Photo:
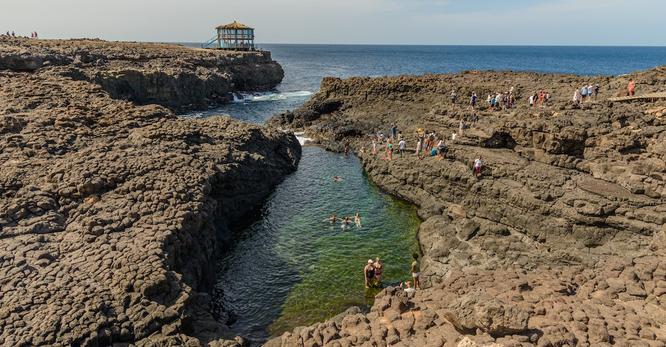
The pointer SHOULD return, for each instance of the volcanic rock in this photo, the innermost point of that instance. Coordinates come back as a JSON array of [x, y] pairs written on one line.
[[112, 213], [560, 242]]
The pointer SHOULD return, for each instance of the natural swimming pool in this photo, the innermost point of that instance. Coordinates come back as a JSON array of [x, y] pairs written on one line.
[[291, 268]]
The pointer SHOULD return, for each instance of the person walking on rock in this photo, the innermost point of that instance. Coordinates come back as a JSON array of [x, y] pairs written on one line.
[[631, 88], [402, 146], [416, 271], [389, 150], [478, 165]]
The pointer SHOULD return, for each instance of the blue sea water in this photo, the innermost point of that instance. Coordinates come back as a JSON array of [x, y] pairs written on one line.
[[306, 65]]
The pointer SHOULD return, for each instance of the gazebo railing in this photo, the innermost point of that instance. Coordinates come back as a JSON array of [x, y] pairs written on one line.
[[210, 43]]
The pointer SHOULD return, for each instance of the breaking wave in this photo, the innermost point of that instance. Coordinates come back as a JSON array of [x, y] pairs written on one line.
[[269, 96]]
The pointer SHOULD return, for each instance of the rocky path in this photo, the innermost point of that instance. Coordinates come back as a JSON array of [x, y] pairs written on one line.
[[562, 242], [111, 214]]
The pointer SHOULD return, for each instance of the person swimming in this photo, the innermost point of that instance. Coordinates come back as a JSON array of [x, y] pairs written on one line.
[[357, 219], [333, 218], [337, 178], [345, 222]]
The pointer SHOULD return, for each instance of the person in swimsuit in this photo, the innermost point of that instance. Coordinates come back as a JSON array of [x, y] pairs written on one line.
[[337, 178], [357, 219], [369, 273], [374, 147], [416, 271], [379, 269]]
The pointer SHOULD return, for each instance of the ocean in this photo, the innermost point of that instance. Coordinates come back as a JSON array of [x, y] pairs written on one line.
[[306, 65]]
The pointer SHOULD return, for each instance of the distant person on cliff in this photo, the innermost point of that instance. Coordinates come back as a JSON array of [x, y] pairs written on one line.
[[346, 149], [416, 271], [402, 146], [374, 147], [419, 145], [389, 150], [379, 269], [369, 273], [478, 166], [577, 98], [631, 88], [596, 90], [472, 101], [442, 149], [454, 96], [542, 98], [394, 131], [532, 100]]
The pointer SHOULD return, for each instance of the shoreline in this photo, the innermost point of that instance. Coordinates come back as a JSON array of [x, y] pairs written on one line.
[[549, 230]]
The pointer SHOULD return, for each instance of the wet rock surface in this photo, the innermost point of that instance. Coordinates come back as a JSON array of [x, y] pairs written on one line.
[[111, 213], [561, 242]]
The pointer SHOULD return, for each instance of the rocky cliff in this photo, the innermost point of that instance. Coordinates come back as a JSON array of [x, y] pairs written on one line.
[[111, 213], [173, 76], [561, 242]]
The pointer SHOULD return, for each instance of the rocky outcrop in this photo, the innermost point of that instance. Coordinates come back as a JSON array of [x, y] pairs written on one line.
[[169, 75], [561, 242], [111, 213]]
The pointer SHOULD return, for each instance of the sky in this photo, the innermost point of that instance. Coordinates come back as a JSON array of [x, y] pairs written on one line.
[[433, 22]]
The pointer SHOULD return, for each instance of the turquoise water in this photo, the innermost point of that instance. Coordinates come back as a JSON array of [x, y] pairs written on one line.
[[292, 268]]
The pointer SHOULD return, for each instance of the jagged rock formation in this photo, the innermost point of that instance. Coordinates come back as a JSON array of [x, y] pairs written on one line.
[[111, 213], [562, 242], [173, 76]]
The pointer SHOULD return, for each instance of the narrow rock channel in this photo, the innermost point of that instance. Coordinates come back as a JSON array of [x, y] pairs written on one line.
[[292, 268]]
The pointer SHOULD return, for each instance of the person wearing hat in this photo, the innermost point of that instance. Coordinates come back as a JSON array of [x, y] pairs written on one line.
[[369, 273]]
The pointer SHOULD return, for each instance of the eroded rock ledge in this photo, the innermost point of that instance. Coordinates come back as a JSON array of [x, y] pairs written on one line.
[[562, 242], [173, 76], [111, 213]]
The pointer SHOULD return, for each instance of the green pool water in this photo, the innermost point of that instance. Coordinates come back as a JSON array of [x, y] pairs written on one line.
[[291, 268]]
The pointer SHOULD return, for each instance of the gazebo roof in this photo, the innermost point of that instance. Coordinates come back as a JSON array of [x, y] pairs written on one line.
[[234, 25]]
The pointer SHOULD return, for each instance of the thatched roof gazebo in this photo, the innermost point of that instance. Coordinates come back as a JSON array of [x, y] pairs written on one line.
[[235, 36]]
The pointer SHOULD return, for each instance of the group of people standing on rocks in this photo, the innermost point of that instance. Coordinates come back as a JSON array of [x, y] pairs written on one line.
[[586, 93], [33, 34], [539, 99], [374, 270], [427, 143]]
